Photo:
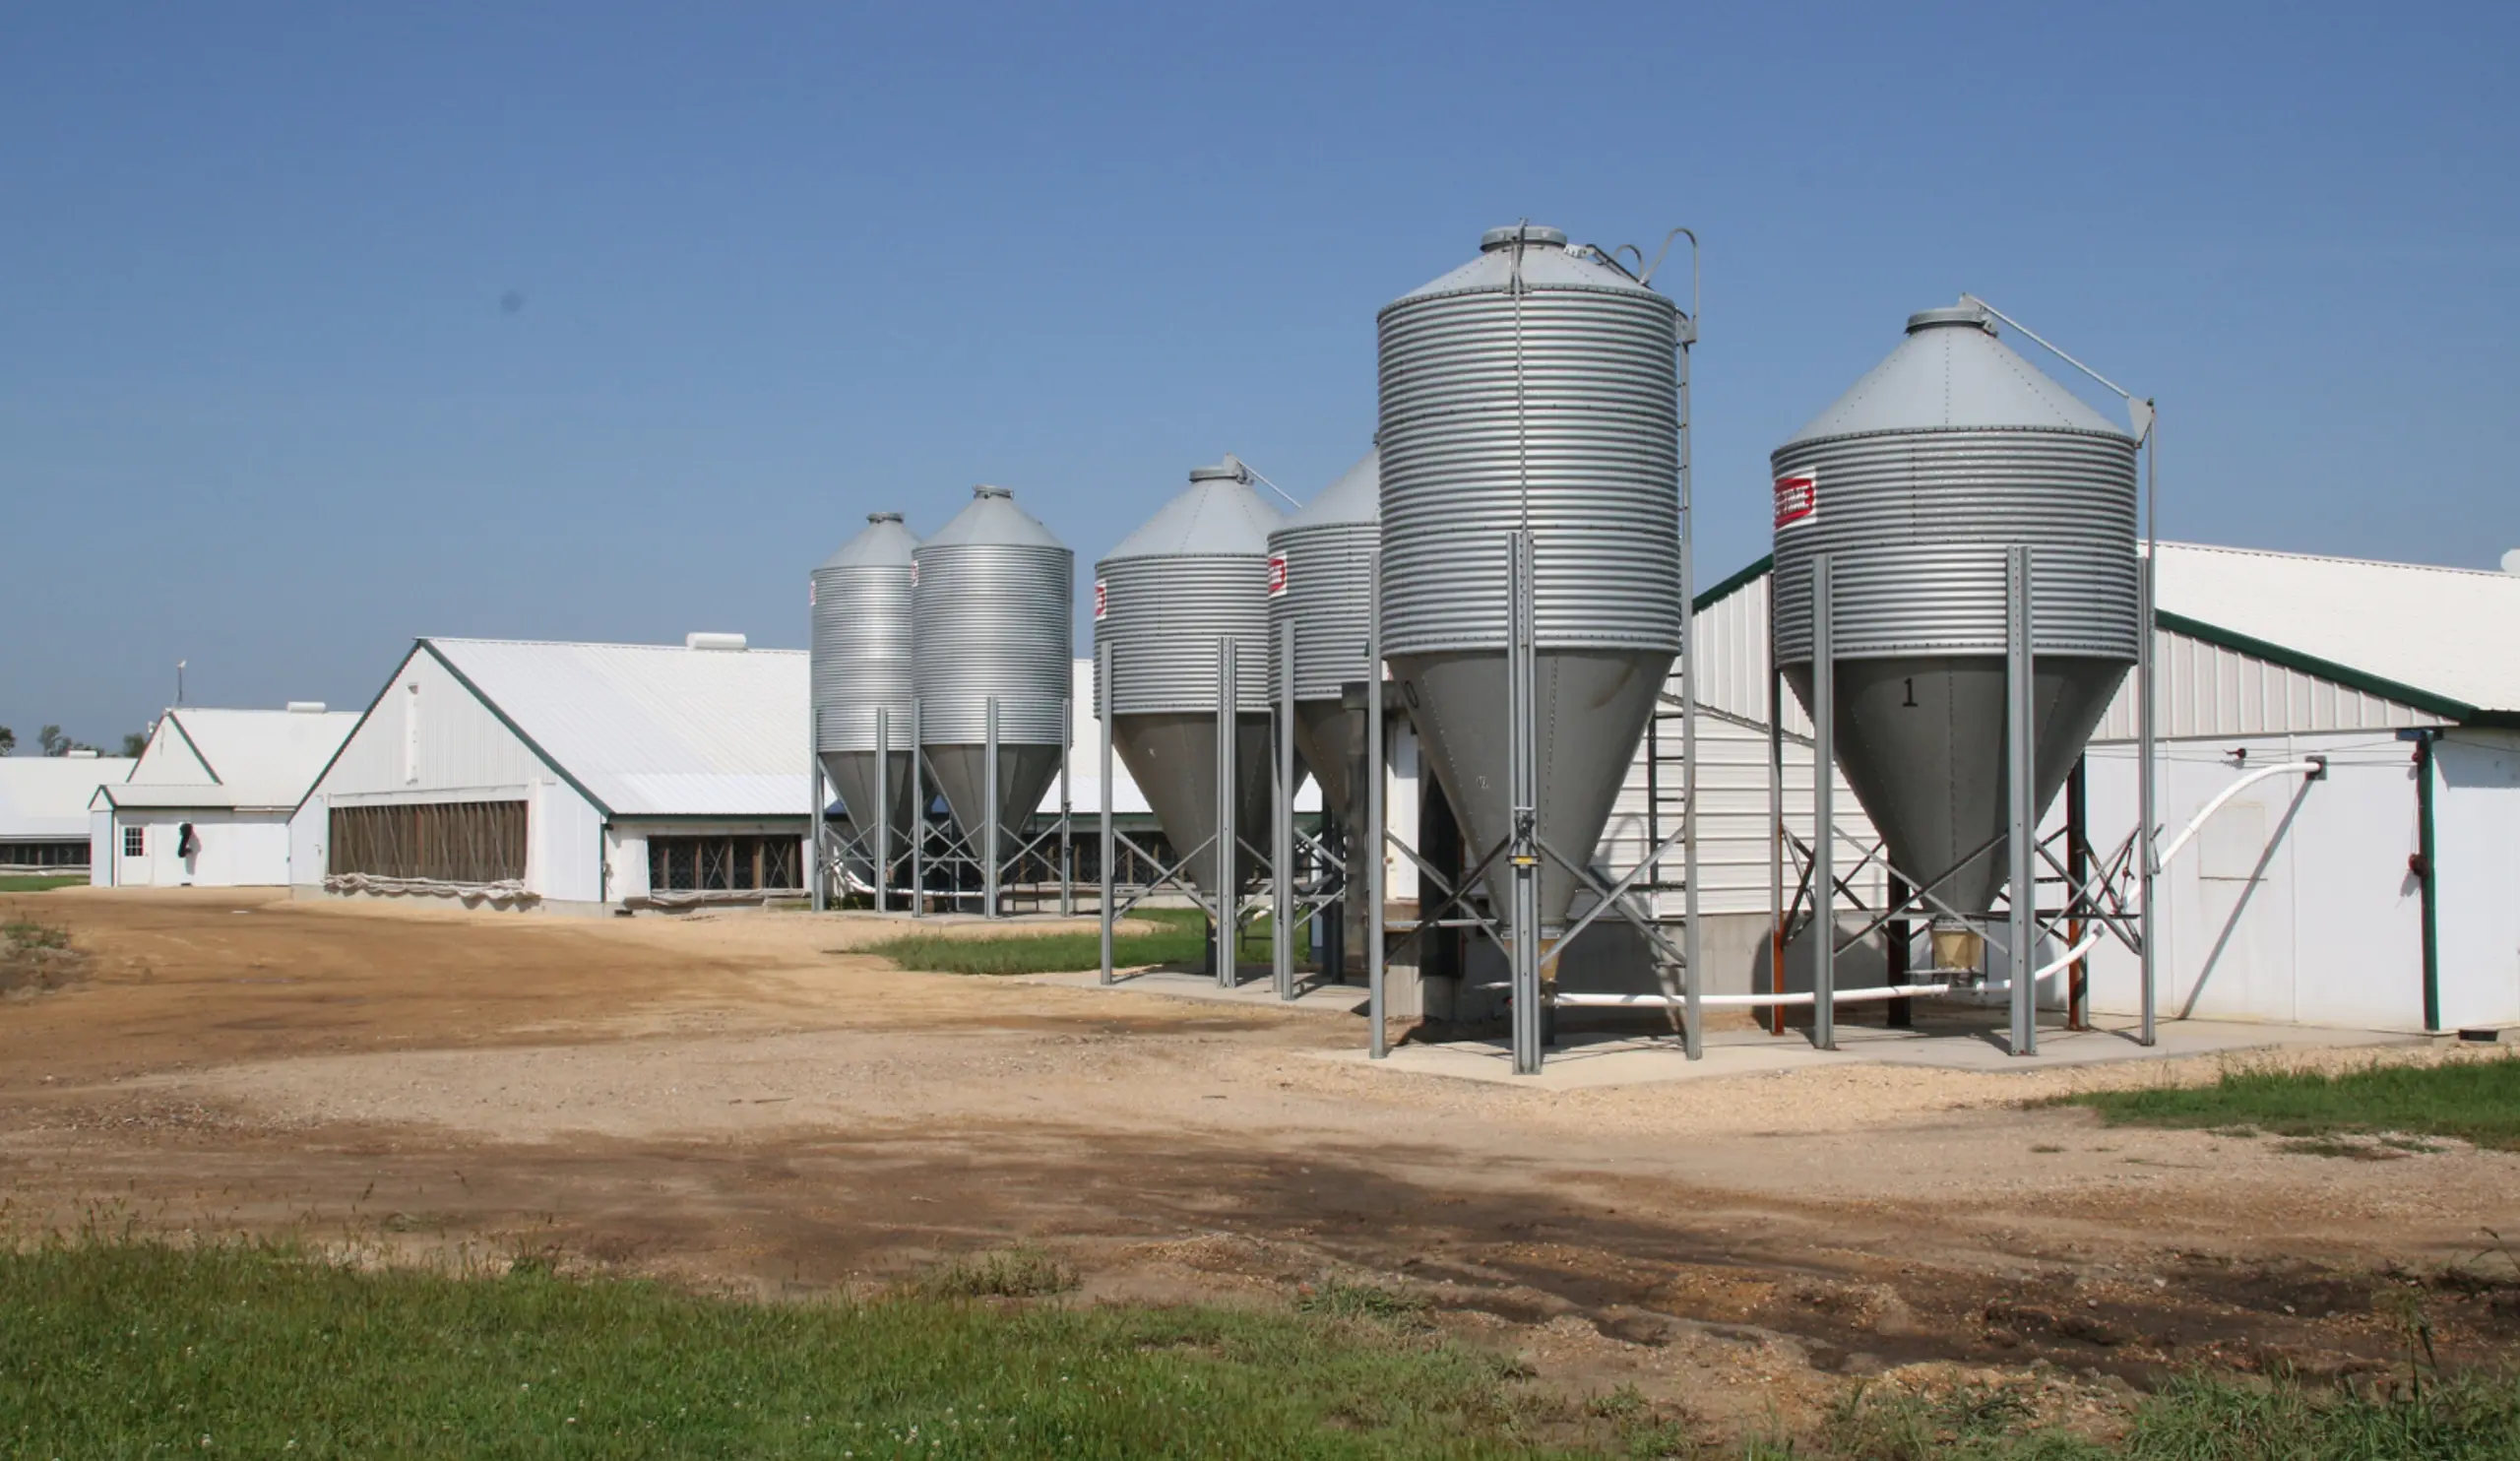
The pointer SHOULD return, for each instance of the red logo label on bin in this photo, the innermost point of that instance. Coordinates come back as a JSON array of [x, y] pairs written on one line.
[[1102, 599], [1276, 574], [1797, 499]]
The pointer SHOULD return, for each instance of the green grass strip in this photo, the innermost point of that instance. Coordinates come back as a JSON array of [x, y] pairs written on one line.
[[2474, 1101], [40, 882], [1182, 939], [122, 1348]]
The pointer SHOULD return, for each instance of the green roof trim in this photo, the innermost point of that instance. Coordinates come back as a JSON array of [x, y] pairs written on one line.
[[1757, 570], [2344, 675]]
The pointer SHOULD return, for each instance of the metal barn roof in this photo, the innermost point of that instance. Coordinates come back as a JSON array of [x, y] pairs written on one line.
[[47, 796], [657, 731], [2446, 640], [211, 759]]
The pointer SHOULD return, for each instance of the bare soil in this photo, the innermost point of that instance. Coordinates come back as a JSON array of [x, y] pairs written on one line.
[[738, 1099]]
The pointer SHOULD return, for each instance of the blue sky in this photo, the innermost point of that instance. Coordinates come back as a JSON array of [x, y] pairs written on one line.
[[325, 328]]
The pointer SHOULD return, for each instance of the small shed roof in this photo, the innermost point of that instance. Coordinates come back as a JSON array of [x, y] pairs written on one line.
[[206, 758]]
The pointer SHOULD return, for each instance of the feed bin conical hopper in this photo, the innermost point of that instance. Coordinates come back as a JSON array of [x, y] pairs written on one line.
[[861, 663], [992, 615], [1534, 388], [1915, 484], [1195, 574], [1321, 582]]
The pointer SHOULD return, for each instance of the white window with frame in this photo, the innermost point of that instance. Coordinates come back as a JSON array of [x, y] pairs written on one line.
[[134, 841]]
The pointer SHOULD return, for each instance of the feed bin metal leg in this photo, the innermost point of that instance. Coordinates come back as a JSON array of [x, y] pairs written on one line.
[[1522, 773], [1368, 848], [1824, 766], [2021, 788]]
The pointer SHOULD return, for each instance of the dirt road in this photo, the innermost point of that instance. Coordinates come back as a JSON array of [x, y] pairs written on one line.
[[740, 1098]]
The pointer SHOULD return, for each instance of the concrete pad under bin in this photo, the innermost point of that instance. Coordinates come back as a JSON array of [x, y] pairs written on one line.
[[1943, 1040]]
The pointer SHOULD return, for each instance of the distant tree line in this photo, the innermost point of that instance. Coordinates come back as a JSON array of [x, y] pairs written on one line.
[[54, 744]]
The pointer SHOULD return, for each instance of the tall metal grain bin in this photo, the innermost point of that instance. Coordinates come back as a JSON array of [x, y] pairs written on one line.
[[1536, 387], [861, 662], [1194, 575], [1915, 484], [992, 616], [1320, 581]]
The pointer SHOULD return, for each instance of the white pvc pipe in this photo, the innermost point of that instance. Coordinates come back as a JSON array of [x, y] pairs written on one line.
[[1737, 1002], [2068, 956], [1844, 997], [2289, 767]]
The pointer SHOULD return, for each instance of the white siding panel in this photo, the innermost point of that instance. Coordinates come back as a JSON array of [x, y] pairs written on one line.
[[2209, 691], [2303, 912], [565, 847], [2475, 846]]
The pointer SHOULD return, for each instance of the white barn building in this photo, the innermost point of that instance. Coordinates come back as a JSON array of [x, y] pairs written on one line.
[[568, 777], [207, 802]]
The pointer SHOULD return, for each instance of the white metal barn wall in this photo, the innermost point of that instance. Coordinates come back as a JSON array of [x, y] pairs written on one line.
[[237, 848], [2475, 850], [2297, 902]]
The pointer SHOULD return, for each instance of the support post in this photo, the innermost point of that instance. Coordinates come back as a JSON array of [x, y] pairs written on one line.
[[1902, 1011], [1368, 848], [1281, 840], [1824, 837], [2078, 874], [989, 819], [818, 876], [2021, 789], [1228, 891], [1103, 725], [918, 815], [2146, 865], [1776, 819], [1693, 1016], [1523, 855], [883, 833], [1067, 812]]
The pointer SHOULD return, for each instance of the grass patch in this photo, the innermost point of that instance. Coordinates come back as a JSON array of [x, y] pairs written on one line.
[[1341, 1299], [24, 937], [37, 956], [120, 1348], [1182, 939], [2474, 1101], [2194, 1418], [1008, 1273], [40, 882]]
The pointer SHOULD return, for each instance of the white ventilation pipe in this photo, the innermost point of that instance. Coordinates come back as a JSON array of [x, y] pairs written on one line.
[[708, 641], [1737, 1002], [2312, 767], [1844, 997]]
